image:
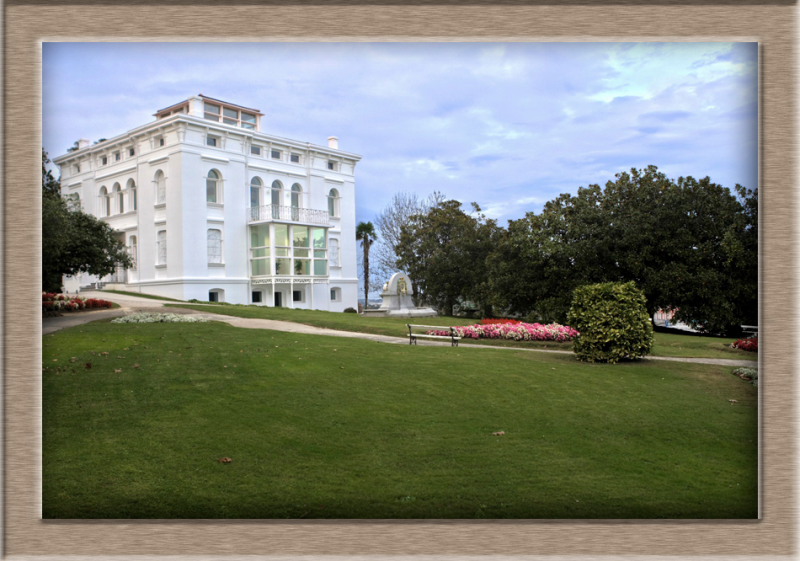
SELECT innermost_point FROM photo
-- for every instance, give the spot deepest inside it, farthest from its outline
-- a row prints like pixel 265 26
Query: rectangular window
pixel 276 154
pixel 256 296
pixel 230 116
pixel 295 158
pixel 117 156
pixel 335 295
pixel 76 168
pixel 260 263
pixel 104 160
pixel 131 152
pixel 331 165
pixel 255 150
pixel 211 112
pixel 248 121
pixel 297 296
pixel 161 247
pixel 161 141
pixel 211 140
pixel 215 246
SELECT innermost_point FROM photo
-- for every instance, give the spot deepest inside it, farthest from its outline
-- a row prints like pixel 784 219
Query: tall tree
pixel 365 233
pixel 445 250
pixel 689 244
pixel 72 241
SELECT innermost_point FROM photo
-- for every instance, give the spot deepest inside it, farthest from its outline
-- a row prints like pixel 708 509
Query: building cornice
pixel 205 124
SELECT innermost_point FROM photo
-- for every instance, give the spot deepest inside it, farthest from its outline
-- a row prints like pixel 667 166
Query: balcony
pixel 276 213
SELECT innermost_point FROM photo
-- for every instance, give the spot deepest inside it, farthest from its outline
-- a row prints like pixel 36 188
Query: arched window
pixel 131 187
pixel 255 197
pixel 297 192
pixel 333 202
pixel 277 195
pixel 161 188
pixel 215 246
pixel 133 251
pixel 213 184
pixel 105 202
pixel 119 198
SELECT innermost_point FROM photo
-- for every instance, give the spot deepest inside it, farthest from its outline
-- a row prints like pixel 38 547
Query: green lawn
pixel 136 417
pixel 666 344
pixel 140 295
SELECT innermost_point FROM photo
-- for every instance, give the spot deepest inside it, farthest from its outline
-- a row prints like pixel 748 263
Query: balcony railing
pixel 277 213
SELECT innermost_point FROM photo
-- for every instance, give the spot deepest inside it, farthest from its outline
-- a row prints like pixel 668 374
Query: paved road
pixel 130 304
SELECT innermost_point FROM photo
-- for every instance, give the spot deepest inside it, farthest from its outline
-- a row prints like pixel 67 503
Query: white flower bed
pixel 149 317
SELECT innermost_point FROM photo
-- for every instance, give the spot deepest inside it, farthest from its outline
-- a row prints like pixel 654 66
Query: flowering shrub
pixel 53 303
pixel 147 317
pixel 516 331
pixel 748 344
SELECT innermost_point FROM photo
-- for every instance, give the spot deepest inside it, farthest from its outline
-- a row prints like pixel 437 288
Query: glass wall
pixel 260 250
pixel 294 250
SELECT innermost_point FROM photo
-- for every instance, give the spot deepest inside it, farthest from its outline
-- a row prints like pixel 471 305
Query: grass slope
pixel 136 417
pixel 666 344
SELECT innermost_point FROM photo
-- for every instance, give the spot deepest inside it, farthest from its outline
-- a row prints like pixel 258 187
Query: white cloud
pixel 509 125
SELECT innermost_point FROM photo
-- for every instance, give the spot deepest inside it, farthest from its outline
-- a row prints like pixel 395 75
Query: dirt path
pixel 130 304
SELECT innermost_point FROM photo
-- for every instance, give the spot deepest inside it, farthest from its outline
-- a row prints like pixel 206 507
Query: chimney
pixel 83 143
pixel 333 142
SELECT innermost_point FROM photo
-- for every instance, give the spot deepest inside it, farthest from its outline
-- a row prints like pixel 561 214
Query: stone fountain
pixel 396 300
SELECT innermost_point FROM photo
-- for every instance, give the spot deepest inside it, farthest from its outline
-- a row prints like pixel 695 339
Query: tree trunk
pixel 366 272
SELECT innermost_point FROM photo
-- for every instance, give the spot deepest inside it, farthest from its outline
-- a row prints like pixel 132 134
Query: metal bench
pixel 454 337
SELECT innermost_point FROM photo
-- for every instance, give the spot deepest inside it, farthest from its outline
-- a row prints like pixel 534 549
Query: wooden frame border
pixel 29 22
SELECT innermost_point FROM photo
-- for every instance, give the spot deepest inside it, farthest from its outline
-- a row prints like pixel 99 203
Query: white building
pixel 211 208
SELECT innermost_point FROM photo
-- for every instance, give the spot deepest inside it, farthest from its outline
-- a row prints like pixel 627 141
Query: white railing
pixel 270 213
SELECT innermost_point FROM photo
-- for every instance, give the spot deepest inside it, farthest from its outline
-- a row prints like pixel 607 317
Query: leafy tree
pixel 445 250
pixel 689 244
pixel 365 233
pixel 72 241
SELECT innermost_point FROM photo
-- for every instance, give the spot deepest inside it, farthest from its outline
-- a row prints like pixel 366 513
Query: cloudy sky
pixel 507 125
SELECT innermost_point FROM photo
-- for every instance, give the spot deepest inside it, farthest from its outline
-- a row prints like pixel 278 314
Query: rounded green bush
pixel 613 322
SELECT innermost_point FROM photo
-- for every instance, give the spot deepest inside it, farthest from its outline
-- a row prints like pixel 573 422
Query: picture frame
pixel 28 23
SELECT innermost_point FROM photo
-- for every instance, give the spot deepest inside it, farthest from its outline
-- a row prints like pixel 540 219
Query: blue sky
pixel 507 125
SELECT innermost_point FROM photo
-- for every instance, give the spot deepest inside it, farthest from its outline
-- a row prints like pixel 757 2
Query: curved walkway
pixel 131 304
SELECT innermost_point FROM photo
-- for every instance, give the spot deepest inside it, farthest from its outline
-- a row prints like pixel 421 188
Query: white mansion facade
pixel 211 208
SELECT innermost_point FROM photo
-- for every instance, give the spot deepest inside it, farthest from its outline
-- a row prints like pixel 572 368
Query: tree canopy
pixel 72 241
pixel 444 252
pixel 690 245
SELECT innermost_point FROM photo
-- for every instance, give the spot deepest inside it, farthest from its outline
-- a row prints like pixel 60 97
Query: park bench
pixel 420 332
pixel 750 330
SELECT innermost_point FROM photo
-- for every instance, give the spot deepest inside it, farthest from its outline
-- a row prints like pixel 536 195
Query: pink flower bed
pixel 52 302
pixel 515 331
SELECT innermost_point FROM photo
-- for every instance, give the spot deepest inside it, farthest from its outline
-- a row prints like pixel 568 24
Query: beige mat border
pixel 28 23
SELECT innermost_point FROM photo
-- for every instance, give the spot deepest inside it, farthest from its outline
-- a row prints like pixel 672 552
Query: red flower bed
pixel 53 303
pixel 749 344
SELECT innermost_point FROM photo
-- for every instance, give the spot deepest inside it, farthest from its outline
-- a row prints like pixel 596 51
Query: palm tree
pixel 365 233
